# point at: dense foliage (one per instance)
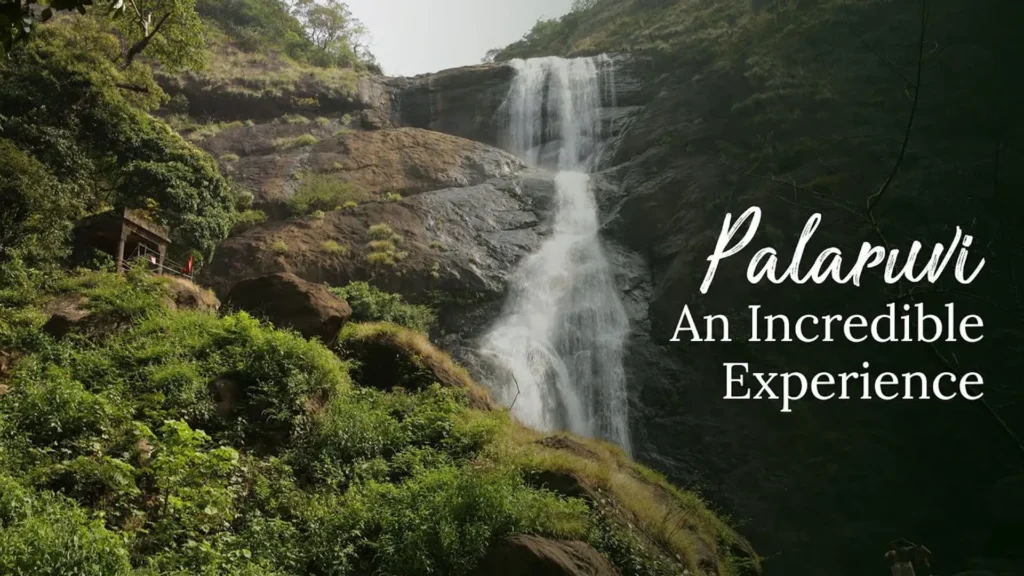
(370, 304)
(321, 33)
(75, 116)
(175, 442)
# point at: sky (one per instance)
(411, 37)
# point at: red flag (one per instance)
(188, 267)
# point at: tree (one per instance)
(170, 31)
(581, 5)
(67, 109)
(331, 27)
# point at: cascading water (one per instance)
(559, 343)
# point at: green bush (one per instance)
(370, 304)
(324, 192)
(332, 247)
(36, 209)
(456, 511)
(300, 141)
(246, 220)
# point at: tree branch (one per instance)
(141, 45)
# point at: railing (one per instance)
(151, 260)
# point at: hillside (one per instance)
(299, 428)
(141, 434)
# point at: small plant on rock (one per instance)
(332, 247)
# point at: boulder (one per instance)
(288, 301)
(185, 295)
(390, 356)
(534, 556)
(66, 314)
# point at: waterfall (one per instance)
(558, 345)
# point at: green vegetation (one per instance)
(299, 141)
(279, 247)
(69, 118)
(324, 192)
(294, 119)
(332, 247)
(383, 246)
(229, 158)
(246, 220)
(392, 197)
(370, 304)
(186, 443)
(321, 34)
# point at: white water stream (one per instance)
(559, 342)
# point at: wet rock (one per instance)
(461, 101)
(534, 556)
(291, 302)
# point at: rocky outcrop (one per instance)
(272, 88)
(462, 101)
(535, 556)
(288, 301)
(405, 161)
(468, 101)
(461, 243)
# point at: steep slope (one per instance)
(155, 439)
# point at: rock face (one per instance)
(274, 89)
(291, 302)
(406, 161)
(461, 243)
(534, 556)
(462, 101)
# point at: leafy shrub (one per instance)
(383, 246)
(279, 247)
(324, 192)
(295, 119)
(370, 304)
(300, 141)
(332, 247)
(36, 209)
(459, 510)
(381, 232)
(246, 220)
